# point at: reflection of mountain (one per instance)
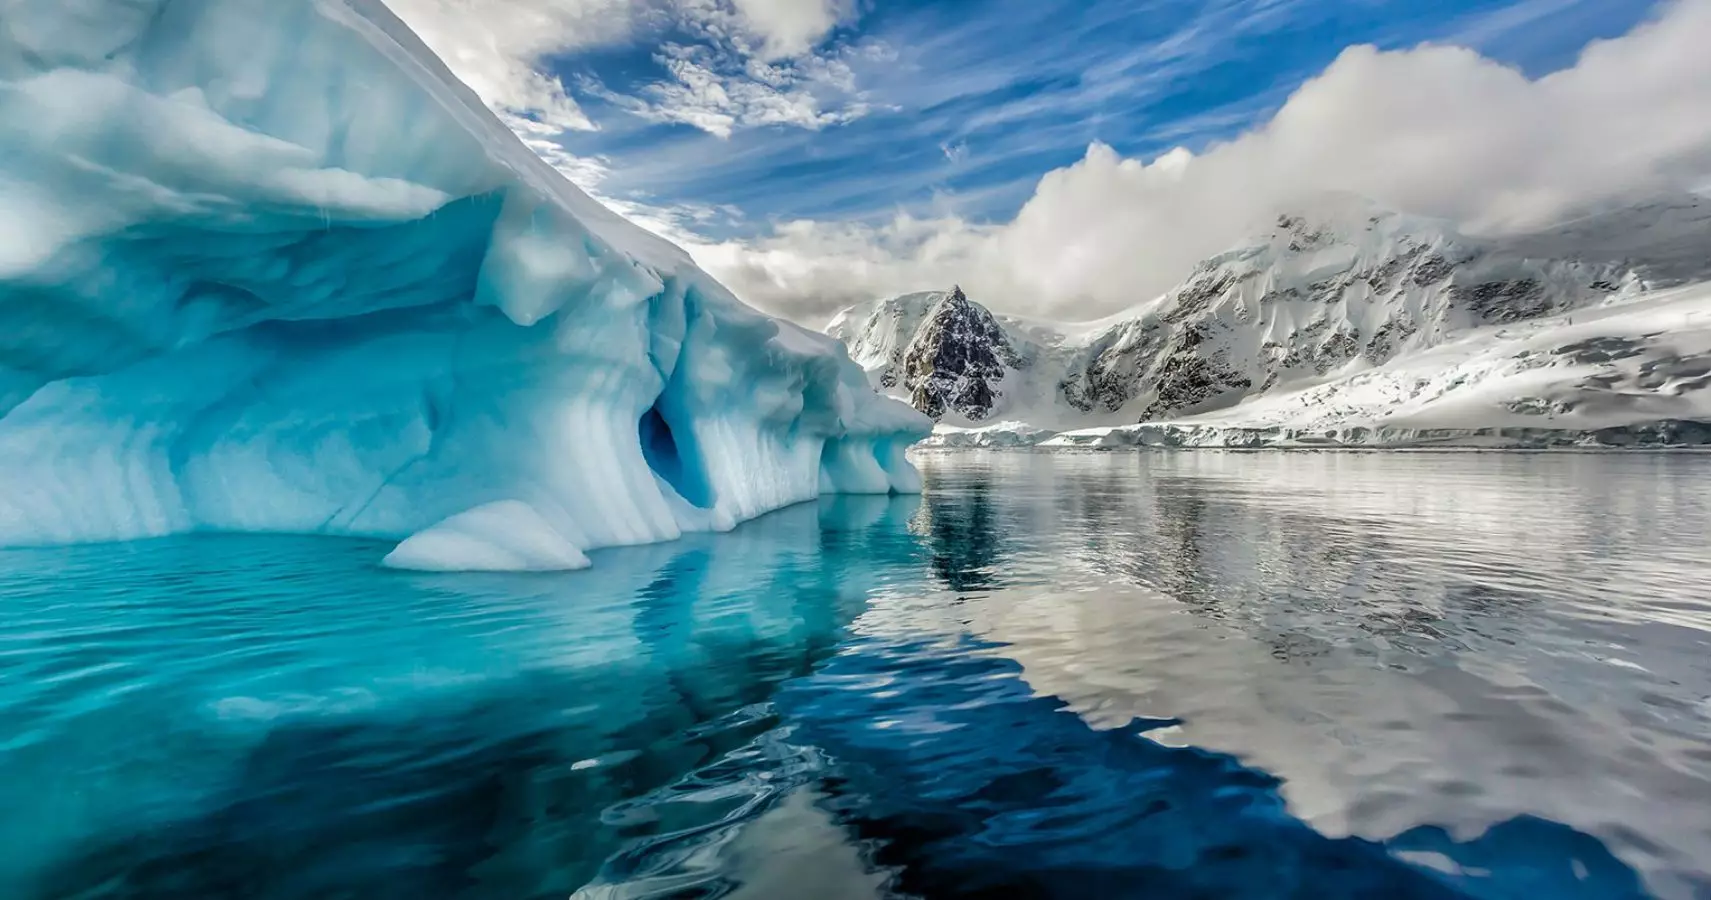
(1402, 638)
(1296, 541)
(959, 521)
(1420, 551)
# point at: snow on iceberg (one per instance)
(265, 265)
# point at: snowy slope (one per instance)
(1318, 299)
(266, 265)
(1630, 373)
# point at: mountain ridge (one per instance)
(1321, 296)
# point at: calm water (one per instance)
(1191, 675)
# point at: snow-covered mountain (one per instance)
(1322, 297)
(942, 352)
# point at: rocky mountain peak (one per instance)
(957, 359)
(944, 353)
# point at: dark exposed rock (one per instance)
(1198, 295)
(1331, 289)
(1186, 380)
(958, 356)
(1598, 350)
(1383, 279)
(1382, 347)
(1432, 270)
(1538, 406)
(1339, 348)
(1112, 372)
(1505, 301)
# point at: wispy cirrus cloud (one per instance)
(1070, 157)
(1436, 130)
(742, 63)
(718, 90)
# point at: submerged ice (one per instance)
(265, 265)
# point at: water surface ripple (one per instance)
(1159, 675)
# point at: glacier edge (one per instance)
(265, 265)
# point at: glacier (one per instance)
(266, 265)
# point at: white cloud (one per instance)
(765, 29)
(718, 92)
(1435, 130)
(808, 269)
(791, 27)
(584, 172)
(757, 64)
(497, 46)
(677, 224)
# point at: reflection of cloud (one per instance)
(1404, 638)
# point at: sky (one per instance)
(1069, 158)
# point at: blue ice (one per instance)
(266, 266)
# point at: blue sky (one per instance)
(961, 105)
(1073, 157)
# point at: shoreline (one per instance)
(1671, 435)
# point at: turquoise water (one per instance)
(1192, 675)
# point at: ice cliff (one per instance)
(265, 265)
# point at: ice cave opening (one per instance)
(667, 460)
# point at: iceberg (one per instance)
(266, 265)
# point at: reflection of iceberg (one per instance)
(552, 704)
(265, 266)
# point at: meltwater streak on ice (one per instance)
(265, 265)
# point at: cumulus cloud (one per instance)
(1436, 130)
(791, 27)
(497, 47)
(766, 29)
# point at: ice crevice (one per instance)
(266, 266)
